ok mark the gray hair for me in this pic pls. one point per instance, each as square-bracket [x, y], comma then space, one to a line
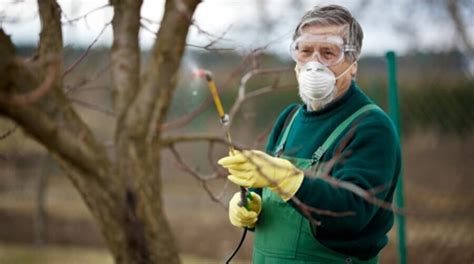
[335, 15]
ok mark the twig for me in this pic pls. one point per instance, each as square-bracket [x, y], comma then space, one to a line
[210, 35]
[147, 29]
[150, 21]
[90, 88]
[241, 96]
[216, 198]
[378, 189]
[334, 182]
[170, 141]
[210, 156]
[187, 118]
[213, 40]
[339, 156]
[84, 82]
[193, 172]
[367, 196]
[306, 209]
[84, 16]
[8, 132]
[208, 48]
[86, 52]
[93, 107]
[266, 89]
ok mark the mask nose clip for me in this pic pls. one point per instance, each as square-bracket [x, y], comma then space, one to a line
[314, 66]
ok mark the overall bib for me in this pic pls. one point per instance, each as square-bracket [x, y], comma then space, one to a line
[283, 235]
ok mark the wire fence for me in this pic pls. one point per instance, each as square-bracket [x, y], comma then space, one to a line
[437, 133]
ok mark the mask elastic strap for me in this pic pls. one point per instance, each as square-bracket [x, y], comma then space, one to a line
[348, 68]
[297, 72]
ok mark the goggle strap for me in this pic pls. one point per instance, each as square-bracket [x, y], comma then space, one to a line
[349, 48]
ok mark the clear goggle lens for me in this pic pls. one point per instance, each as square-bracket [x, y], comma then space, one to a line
[329, 50]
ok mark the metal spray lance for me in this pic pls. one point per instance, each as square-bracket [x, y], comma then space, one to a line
[224, 118]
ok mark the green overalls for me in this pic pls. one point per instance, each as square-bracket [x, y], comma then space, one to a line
[283, 235]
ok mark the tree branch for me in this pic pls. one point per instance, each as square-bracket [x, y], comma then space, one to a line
[241, 96]
[193, 172]
[125, 55]
[213, 40]
[8, 133]
[51, 38]
[85, 53]
[87, 80]
[94, 107]
[323, 174]
[187, 118]
[37, 93]
[453, 10]
[149, 108]
[84, 16]
[169, 141]
[72, 147]
[51, 120]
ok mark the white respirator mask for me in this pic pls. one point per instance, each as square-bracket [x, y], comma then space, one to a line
[317, 84]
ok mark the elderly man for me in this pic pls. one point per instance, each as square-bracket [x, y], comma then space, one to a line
[336, 115]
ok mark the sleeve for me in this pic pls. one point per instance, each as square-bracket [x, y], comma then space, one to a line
[373, 162]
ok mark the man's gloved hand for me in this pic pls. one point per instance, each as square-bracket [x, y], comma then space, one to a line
[253, 168]
[240, 216]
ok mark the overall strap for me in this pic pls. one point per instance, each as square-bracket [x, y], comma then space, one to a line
[338, 131]
[286, 129]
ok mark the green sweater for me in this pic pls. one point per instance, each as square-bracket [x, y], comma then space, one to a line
[374, 162]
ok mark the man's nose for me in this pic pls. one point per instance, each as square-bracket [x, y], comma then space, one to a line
[315, 57]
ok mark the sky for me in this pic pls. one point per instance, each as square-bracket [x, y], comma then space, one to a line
[384, 22]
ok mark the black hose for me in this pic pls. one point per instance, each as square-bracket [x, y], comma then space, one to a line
[243, 203]
[244, 233]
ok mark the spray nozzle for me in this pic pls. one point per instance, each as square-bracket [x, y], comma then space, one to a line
[225, 120]
[201, 73]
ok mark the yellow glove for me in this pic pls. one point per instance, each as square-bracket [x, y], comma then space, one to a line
[239, 216]
[253, 168]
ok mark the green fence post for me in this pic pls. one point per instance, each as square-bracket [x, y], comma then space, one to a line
[394, 112]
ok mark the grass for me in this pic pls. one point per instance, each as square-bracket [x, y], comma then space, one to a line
[27, 254]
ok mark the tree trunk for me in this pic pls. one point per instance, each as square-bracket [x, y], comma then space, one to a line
[123, 192]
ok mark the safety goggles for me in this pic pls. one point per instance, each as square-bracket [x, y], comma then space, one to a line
[329, 50]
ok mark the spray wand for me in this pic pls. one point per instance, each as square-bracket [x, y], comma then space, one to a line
[224, 118]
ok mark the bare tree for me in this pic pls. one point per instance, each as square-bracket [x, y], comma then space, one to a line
[123, 192]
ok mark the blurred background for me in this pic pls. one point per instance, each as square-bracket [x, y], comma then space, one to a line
[43, 219]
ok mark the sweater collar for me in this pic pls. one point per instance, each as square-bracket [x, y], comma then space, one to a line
[337, 103]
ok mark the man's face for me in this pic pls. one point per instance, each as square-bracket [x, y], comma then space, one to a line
[344, 81]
